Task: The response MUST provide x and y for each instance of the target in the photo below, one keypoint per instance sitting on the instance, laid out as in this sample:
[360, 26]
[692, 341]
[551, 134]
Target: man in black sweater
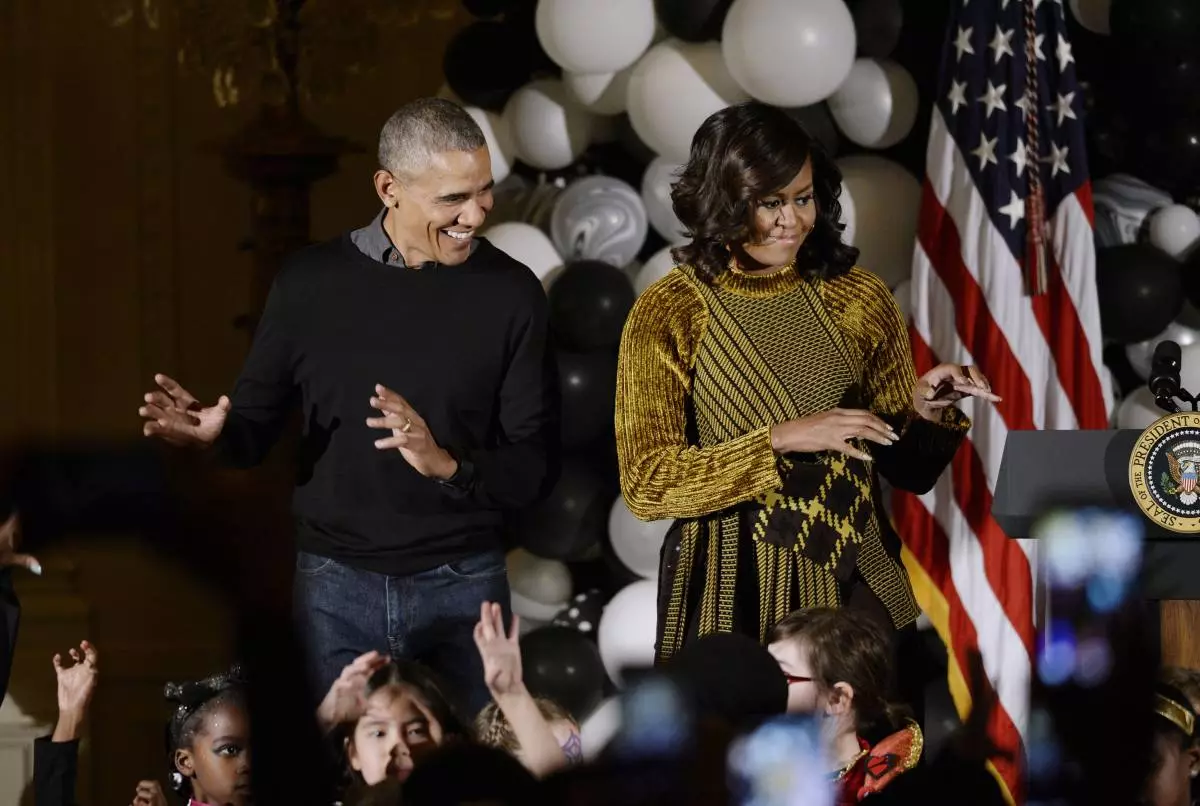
[418, 353]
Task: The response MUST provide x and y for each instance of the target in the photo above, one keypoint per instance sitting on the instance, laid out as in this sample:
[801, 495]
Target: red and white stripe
[1043, 355]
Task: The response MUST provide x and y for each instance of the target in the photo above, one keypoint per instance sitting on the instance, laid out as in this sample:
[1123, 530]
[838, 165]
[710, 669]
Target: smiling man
[418, 354]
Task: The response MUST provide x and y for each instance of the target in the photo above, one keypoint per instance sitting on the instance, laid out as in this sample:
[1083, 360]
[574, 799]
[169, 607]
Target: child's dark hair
[193, 702]
[428, 689]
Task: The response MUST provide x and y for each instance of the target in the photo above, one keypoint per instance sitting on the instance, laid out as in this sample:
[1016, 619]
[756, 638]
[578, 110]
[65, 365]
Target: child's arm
[501, 654]
[56, 758]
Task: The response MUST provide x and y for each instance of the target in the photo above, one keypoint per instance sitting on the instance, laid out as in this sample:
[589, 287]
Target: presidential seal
[1164, 472]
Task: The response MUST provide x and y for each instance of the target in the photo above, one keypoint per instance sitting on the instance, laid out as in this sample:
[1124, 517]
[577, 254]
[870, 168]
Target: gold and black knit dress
[706, 370]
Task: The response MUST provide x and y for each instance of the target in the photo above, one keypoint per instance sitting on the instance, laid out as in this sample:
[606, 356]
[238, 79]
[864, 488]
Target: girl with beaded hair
[764, 387]
[208, 740]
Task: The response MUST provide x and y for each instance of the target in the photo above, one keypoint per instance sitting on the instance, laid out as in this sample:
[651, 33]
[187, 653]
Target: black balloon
[877, 25]
[582, 613]
[818, 122]
[485, 63]
[692, 20]
[588, 382]
[572, 520]
[1166, 150]
[1140, 291]
[563, 665]
[588, 305]
[1165, 24]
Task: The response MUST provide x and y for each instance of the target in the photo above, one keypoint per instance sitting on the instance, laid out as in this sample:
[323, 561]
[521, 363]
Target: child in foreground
[838, 663]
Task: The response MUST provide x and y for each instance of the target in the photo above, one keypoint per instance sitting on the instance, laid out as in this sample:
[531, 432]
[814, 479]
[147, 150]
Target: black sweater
[465, 345]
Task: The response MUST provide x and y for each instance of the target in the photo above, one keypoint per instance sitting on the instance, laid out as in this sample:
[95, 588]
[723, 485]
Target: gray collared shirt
[374, 242]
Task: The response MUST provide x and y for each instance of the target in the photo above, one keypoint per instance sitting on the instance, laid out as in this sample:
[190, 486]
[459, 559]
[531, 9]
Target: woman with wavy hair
[764, 386]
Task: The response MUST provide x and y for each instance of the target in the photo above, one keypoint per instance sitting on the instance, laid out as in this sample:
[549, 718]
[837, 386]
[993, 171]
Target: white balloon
[848, 216]
[602, 93]
[657, 267]
[537, 578]
[549, 130]
[1175, 229]
[627, 629]
[499, 141]
[636, 543]
[673, 89]
[887, 200]
[656, 195]
[1092, 14]
[876, 106]
[527, 244]
[595, 36]
[1189, 367]
[533, 610]
[817, 37]
[600, 728]
[1138, 410]
[903, 295]
[1141, 353]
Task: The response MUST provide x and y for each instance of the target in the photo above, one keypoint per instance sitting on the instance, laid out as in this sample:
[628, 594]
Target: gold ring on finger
[407, 427]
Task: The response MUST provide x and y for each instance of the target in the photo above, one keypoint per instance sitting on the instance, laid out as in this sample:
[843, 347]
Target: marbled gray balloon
[599, 218]
[1122, 203]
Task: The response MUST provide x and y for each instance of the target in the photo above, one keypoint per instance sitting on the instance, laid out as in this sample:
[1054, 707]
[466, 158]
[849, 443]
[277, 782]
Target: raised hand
[410, 435]
[832, 431]
[76, 684]
[500, 651]
[173, 415]
[945, 385]
[346, 699]
[149, 793]
[10, 536]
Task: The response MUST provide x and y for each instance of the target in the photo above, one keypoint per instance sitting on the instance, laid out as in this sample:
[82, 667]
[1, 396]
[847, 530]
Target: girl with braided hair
[208, 740]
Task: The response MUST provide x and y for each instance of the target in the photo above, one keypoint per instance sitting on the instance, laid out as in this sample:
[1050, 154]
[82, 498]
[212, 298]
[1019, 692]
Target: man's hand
[177, 418]
[10, 535]
[76, 683]
[410, 435]
[500, 651]
[346, 700]
[149, 793]
[945, 385]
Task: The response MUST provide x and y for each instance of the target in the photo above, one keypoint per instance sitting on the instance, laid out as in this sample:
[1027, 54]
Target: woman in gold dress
[764, 386]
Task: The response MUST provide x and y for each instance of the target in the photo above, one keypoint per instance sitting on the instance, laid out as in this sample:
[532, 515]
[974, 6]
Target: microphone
[1164, 375]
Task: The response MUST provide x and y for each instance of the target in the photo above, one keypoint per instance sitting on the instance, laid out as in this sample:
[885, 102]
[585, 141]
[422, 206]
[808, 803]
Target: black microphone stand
[1167, 402]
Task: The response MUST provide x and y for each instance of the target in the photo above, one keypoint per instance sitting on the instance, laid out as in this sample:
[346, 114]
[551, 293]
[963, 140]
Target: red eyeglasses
[793, 679]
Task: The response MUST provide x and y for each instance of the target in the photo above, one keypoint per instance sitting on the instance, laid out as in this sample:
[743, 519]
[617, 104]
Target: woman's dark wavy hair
[740, 155]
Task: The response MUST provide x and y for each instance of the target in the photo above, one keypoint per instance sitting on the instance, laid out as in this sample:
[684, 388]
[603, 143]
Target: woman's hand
[945, 385]
[832, 431]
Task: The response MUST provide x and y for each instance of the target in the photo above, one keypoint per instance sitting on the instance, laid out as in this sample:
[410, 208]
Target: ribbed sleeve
[662, 474]
[872, 319]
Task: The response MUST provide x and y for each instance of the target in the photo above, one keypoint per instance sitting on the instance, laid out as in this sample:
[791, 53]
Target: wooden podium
[1045, 469]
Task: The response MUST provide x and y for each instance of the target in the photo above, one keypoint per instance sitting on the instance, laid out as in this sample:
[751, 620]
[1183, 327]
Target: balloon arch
[589, 110]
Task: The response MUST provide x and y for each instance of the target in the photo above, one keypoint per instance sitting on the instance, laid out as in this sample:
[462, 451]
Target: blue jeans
[343, 612]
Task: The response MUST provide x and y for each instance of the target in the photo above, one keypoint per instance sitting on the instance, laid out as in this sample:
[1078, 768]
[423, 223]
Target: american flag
[975, 265]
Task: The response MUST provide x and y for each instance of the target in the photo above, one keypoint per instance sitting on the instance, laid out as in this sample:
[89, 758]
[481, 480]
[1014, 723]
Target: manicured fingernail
[36, 568]
[379, 443]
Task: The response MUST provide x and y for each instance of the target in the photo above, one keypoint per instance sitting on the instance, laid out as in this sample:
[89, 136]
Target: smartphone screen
[781, 763]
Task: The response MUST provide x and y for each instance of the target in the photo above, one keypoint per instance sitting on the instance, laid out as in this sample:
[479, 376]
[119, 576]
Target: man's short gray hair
[422, 128]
